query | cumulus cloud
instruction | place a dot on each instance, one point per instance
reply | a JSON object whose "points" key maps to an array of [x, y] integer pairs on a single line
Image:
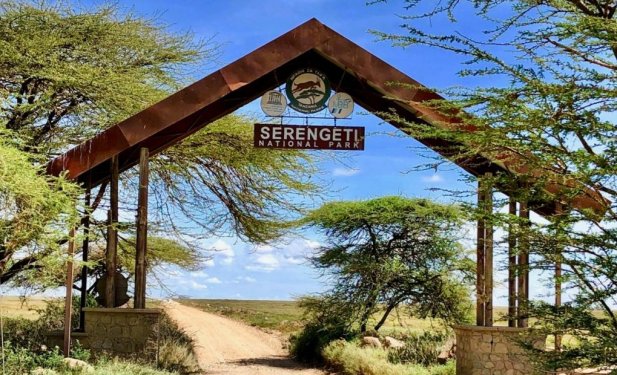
{"points": [[213, 280], [196, 285], [246, 279], [344, 172], [433, 179], [264, 262], [224, 251]]}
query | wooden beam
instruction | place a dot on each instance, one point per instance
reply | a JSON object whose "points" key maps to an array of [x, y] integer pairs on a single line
{"points": [[480, 269], [68, 299], [111, 259], [488, 258], [558, 274], [512, 265], [142, 231], [523, 266], [84, 257]]}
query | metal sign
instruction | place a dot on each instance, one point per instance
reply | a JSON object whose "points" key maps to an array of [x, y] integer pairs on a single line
{"points": [[273, 103], [308, 90], [340, 105], [309, 137]]}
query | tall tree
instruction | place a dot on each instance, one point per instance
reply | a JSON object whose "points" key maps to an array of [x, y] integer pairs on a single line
{"points": [[550, 99], [67, 74], [389, 252]]}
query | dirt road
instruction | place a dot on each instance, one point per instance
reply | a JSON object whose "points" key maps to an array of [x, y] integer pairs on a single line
{"points": [[225, 346]]}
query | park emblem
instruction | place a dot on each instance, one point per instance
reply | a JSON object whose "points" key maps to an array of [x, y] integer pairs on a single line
{"points": [[308, 90]]}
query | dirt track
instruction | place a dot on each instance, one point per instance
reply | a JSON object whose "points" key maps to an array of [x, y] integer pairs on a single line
{"points": [[225, 346]]}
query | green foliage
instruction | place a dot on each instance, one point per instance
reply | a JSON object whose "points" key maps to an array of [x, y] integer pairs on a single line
{"points": [[390, 251], [350, 359], [422, 348], [307, 346], [543, 76]]}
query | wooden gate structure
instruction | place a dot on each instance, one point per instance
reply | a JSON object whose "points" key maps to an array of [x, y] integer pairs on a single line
{"points": [[368, 80]]}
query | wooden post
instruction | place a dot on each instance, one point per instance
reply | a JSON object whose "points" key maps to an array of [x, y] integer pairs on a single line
{"points": [[488, 259], [523, 266], [480, 269], [84, 257], [68, 299], [111, 258], [512, 265], [142, 231], [558, 272]]}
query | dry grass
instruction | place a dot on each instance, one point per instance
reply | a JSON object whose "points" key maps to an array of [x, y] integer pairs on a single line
{"points": [[16, 307]]}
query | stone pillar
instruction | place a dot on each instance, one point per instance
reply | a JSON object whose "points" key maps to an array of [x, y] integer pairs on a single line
{"points": [[492, 351]]}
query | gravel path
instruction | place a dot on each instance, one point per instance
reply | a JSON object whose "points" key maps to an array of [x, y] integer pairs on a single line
{"points": [[226, 346]]}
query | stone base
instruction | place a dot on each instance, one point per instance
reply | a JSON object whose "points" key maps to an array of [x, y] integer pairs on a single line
{"points": [[492, 351], [120, 331]]}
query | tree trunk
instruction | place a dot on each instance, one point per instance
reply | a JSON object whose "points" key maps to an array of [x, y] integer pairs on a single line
{"points": [[385, 316]]}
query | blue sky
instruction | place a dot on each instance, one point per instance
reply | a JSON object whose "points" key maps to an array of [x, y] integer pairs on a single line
{"points": [[279, 271]]}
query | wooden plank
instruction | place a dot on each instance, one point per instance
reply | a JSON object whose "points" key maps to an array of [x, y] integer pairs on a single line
{"points": [[512, 265], [558, 274], [68, 299], [111, 258], [142, 231], [84, 257], [480, 280], [488, 257], [523, 267]]}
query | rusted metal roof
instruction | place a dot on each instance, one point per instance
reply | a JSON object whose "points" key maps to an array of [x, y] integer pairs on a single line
{"points": [[351, 69]]}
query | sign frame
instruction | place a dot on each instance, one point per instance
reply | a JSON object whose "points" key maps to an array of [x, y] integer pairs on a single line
{"points": [[309, 137]]}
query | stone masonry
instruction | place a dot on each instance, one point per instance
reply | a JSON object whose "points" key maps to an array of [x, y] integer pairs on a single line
{"points": [[119, 331], [491, 351]]}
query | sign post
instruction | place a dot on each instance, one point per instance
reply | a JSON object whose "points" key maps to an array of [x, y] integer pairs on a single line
{"points": [[309, 137]]}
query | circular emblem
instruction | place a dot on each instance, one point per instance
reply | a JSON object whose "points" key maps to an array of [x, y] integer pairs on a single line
{"points": [[273, 103], [308, 90], [340, 105]]}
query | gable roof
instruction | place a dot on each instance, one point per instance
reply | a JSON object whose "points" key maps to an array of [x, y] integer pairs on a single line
{"points": [[350, 68]]}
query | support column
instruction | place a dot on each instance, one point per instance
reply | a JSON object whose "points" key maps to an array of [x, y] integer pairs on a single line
{"points": [[558, 273], [142, 231], [480, 269], [111, 258], [84, 258], [484, 257], [68, 299], [523, 266], [488, 260], [512, 265]]}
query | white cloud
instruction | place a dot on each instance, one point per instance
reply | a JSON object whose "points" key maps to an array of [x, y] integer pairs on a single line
{"points": [[265, 262], [196, 285], [345, 172], [433, 179], [208, 263], [223, 251], [198, 274], [295, 260], [264, 248], [213, 280], [223, 248], [246, 279]]}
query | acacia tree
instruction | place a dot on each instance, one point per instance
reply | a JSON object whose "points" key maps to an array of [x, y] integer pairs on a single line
{"points": [[387, 252], [67, 74], [551, 100]]}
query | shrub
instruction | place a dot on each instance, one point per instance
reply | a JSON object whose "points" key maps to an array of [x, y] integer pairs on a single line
{"points": [[349, 359], [422, 349], [176, 349], [307, 346]]}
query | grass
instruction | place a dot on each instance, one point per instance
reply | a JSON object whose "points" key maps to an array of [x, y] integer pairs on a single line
{"points": [[16, 307], [349, 359]]}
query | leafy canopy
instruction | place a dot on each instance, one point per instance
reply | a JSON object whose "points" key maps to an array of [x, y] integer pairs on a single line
{"points": [[387, 252], [542, 84]]}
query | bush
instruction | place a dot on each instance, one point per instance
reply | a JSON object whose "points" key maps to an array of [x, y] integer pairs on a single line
{"points": [[307, 346], [176, 349], [349, 359], [422, 349]]}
